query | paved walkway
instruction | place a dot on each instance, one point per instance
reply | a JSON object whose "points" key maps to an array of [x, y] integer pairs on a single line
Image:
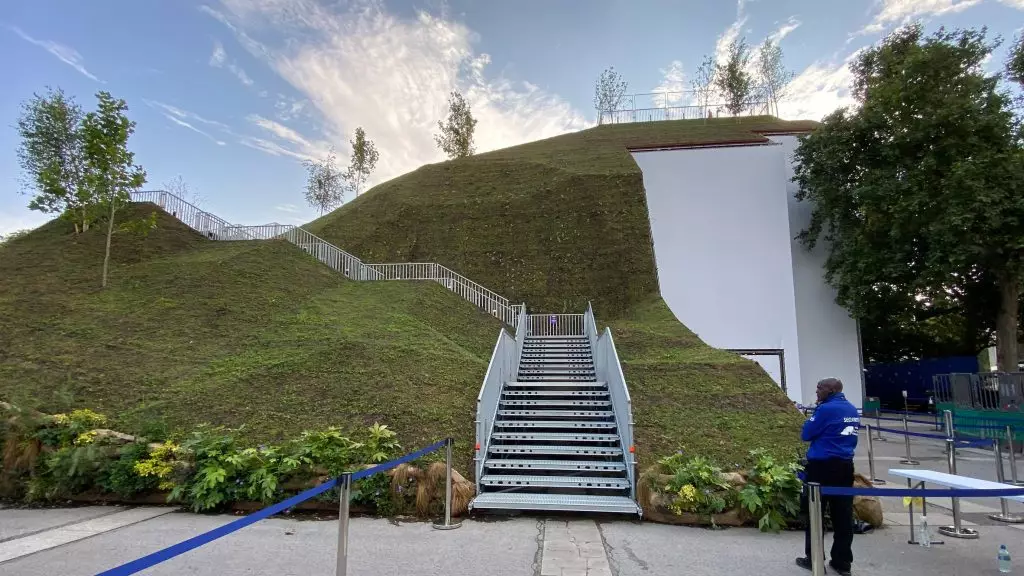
{"points": [[88, 540]]}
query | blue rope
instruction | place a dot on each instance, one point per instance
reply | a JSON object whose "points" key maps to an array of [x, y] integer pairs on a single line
{"points": [[206, 537], [923, 492], [901, 420]]}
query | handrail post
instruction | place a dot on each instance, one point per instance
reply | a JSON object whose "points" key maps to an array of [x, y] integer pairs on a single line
{"points": [[448, 490], [956, 530], [817, 529], [1013, 456], [909, 461], [346, 493], [871, 458], [1004, 508]]}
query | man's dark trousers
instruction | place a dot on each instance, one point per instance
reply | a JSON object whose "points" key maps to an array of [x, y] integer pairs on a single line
{"points": [[833, 472]]}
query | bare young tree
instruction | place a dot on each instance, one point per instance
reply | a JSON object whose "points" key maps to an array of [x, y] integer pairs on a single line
{"points": [[456, 137], [363, 161], [324, 183], [772, 76], [703, 85], [609, 92], [732, 78], [181, 189]]}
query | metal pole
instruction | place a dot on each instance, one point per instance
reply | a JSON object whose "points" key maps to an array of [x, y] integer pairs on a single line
{"points": [[448, 490], [878, 423], [1013, 456], [910, 510], [909, 461], [1004, 514], [871, 459], [955, 531], [346, 492], [947, 418], [817, 529]]}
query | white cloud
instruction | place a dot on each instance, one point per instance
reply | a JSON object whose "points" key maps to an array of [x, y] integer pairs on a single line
{"points": [[303, 148], [788, 26], [390, 75], [219, 59], [288, 208], [902, 11], [65, 54], [1018, 4], [185, 118], [731, 34], [819, 89], [670, 92]]}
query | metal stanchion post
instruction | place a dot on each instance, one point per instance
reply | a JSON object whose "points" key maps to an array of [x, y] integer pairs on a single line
{"points": [[346, 493], [1004, 513], [910, 511], [909, 461], [871, 459], [947, 421], [1013, 456], [814, 509], [955, 531], [878, 424], [448, 490]]}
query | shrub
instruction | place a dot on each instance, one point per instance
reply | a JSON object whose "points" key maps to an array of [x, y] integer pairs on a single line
{"points": [[122, 476], [698, 486], [69, 470], [772, 492]]}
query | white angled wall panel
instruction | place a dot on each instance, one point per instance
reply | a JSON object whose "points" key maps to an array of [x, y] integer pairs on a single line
{"points": [[723, 221]]}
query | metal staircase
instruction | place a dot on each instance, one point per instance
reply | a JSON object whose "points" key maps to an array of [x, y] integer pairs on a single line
{"points": [[554, 441]]}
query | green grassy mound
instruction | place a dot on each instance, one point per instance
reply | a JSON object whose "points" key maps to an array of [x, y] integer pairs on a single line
{"points": [[561, 221], [253, 333]]}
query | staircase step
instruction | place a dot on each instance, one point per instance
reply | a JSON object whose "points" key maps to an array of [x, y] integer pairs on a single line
{"points": [[581, 482], [548, 360], [558, 403], [552, 437], [555, 371], [554, 393], [545, 348], [556, 450], [557, 366], [554, 502], [558, 413], [575, 384], [555, 424], [548, 354], [570, 465], [561, 378]]}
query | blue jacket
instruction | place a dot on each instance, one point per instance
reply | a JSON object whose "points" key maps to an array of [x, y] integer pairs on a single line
{"points": [[832, 429]]}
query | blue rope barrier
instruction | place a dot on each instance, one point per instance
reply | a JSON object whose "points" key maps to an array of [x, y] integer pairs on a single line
{"points": [[985, 426], [901, 420], [923, 492], [961, 443], [165, 554]]}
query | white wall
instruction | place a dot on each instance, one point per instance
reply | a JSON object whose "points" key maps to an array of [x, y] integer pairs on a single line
{"points": [[827, 334], [721, 242], [723, 221]]}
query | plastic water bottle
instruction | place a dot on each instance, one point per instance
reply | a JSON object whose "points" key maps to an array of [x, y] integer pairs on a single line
{"points": [[925, 539], [1004, 559]]}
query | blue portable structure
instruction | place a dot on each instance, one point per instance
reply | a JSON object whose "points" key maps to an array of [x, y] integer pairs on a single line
{"points": [[888, 381]]}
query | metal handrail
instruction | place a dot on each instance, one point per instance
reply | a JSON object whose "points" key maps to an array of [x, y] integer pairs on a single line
{"points": [[216, 228], [555, 324], [689, 112], [608, 369]]}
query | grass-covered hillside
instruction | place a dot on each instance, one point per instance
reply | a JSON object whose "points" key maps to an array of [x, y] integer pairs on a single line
{"points": [[254, 333], [561, 221]]}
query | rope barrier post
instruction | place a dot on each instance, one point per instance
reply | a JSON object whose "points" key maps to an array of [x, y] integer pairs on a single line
{"points": [[346, 494], [878, 423], [1013, 456], [947, 418], [956, 530], [910, 511], [817, 529], [448, 489], [1004, 508], [871, 459], [909, 461]]}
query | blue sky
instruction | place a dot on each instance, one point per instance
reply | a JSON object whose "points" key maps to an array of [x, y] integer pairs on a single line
{"points": [[232, 94]]}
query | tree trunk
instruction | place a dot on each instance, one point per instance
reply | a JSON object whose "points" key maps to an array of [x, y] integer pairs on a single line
{"points": [[1006, 324], [110, 232]]}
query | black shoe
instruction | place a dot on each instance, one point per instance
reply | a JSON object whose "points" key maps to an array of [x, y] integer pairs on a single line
{"points": [[840, 571], [804, 562]]}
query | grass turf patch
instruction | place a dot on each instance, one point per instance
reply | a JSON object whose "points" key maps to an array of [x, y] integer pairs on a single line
{"points": [[253, 333]]}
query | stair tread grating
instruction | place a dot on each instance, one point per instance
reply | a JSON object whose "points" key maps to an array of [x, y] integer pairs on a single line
{"points": [[526, 480], [560, 413], [554, 437], [559, 403], [554, 502], [555, 393], [568, 424], [577, 465], [552, 450]]}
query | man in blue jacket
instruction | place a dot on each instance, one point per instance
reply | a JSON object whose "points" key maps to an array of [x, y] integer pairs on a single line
{"points": [[832, 432]]}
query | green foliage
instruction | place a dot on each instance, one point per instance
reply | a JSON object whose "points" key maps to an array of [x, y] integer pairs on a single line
{"points": [[65, 429], [375, 492], [456, 137], [140, 227], [772, 492], [698, 486], [732, 78], [918, 193], [382, 444], [609, 91], [328, 450], [121, 476], [69, 470], [363, 161], [324, 183]]}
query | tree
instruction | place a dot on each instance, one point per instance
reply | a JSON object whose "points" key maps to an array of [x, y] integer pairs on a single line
{"points": [[919, 192], [111, 172], [50, 154], [732, 78], [324, 183], [181, 189], [1015, 66], [456, 137], [609, 92], [703, 84], [363, 161], [772, 76]]}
